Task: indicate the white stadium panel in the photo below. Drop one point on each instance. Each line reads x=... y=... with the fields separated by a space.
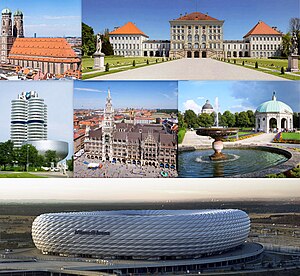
x=141 y=233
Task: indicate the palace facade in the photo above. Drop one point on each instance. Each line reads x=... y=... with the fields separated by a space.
x=130 y=143
x=197 y=35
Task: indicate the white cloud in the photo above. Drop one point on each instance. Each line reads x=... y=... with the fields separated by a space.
x=90 y=90
x=200 y=98
x=191 y=104
x=61 y=17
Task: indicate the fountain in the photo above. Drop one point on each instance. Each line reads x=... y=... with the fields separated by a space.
x=217 y=133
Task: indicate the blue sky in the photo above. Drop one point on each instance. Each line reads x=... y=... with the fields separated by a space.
x=132 y=94
x=58 y=96
x=152 y=16
x=53 y=18
x=236 y=96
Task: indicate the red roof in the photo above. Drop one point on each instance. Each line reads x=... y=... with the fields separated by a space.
x=261 y=28
x=129 y=29
x=43 y=49
x=196 y=16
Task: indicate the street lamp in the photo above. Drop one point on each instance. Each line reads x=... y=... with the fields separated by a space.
x=27 y=164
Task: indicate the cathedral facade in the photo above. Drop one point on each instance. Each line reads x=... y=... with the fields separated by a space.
x=47 y=55
x=129 y=143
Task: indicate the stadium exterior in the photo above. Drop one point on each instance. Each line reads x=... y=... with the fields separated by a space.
x=143 y=234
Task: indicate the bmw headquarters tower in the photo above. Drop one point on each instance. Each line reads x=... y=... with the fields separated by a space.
x=143 y=234
x=28 y=118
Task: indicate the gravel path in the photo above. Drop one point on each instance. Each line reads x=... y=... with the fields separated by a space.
x=191 y=69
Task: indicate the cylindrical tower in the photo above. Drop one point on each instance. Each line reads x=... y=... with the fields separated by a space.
x=18 y=30
x=18 y=130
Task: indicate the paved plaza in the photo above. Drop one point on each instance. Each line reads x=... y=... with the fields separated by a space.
x=111 y=170
x=191 y=69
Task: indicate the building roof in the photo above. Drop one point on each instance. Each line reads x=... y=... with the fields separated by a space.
x=196 y=16
x=18 y=12
x=6 y=11
x=128 y=29
x=207 y=105
x=43 y=49
x=261 y=28
x=274 y=106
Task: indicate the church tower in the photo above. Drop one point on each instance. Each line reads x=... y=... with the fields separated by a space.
x=107 y=130
x=18 y=30
x=6 y=35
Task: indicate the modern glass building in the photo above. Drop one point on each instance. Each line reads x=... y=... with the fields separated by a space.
x=28 y=118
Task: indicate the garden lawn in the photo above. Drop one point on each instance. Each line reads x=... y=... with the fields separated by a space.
x=19 y=175
x=116 y=61
x=290 y=136
x=181 y=134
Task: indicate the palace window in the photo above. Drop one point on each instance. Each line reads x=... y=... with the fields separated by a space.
x=189 y=37
x=196 y=37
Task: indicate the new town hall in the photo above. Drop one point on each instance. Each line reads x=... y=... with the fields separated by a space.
x=49 y=55
x=139 y=144
x=197 y=35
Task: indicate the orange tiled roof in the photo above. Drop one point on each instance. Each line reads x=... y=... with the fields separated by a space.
x=261 y=28
x=43 y=49
x=196 y=16
x=129 y=29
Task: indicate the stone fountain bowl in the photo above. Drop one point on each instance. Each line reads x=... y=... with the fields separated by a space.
x=216 y=132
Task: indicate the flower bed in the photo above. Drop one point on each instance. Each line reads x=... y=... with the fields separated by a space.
x=242 y=137
x=279 y=139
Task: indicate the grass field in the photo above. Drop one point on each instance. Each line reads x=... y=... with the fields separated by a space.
x=19 y=175
x=290 y=136
x=265 y=64
x=181 y=134
x=117 y=61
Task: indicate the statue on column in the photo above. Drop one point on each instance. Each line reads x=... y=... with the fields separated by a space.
x=294 y=40
x=98 y=43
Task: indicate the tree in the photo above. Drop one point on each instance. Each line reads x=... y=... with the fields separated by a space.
x=51 y=157
x=70 y=164
x=6 y=153
x=27 y=154
x=251 y=117
x=205 y=120
x=243 y=119
x=190 y=118
x=88 y=40
x=286 y=44
x=296 y=120
x=228 y=118
x=181 y=123
x=107 y=48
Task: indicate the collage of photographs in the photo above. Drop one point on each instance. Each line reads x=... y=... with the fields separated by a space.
x=149 y=137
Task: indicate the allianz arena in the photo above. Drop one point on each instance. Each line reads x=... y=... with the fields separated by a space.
x=141 y=233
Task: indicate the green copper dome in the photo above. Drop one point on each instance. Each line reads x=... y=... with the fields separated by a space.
x=274 y=106
x=6 y=11
x=18 y=12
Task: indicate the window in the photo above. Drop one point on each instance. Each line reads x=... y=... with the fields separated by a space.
x=189 y=37
x=196 y=37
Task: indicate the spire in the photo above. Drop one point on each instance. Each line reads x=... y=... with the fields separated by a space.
x=274 y=97
x=108 y=91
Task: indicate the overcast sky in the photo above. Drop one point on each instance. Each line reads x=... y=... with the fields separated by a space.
x=120 y=190
x=58 y=96
x=132 y=94
x=153 y=16
x=54 y=18
x=236 y=96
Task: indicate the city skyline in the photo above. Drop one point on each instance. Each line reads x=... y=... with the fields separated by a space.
x=60 y=113
x=49 y=18
x=131 y=94
x=236 y=96
x=154 y=21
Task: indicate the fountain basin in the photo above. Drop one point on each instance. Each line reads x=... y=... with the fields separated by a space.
x=217 y=133
x=254 y=161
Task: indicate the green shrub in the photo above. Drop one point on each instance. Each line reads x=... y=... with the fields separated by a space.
x=147 y=61
x=106 y=67
x=156 y=60
x=234 y=61
x=243 y=63
x=133 y=63
x=256 y=64
x=282 y=70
